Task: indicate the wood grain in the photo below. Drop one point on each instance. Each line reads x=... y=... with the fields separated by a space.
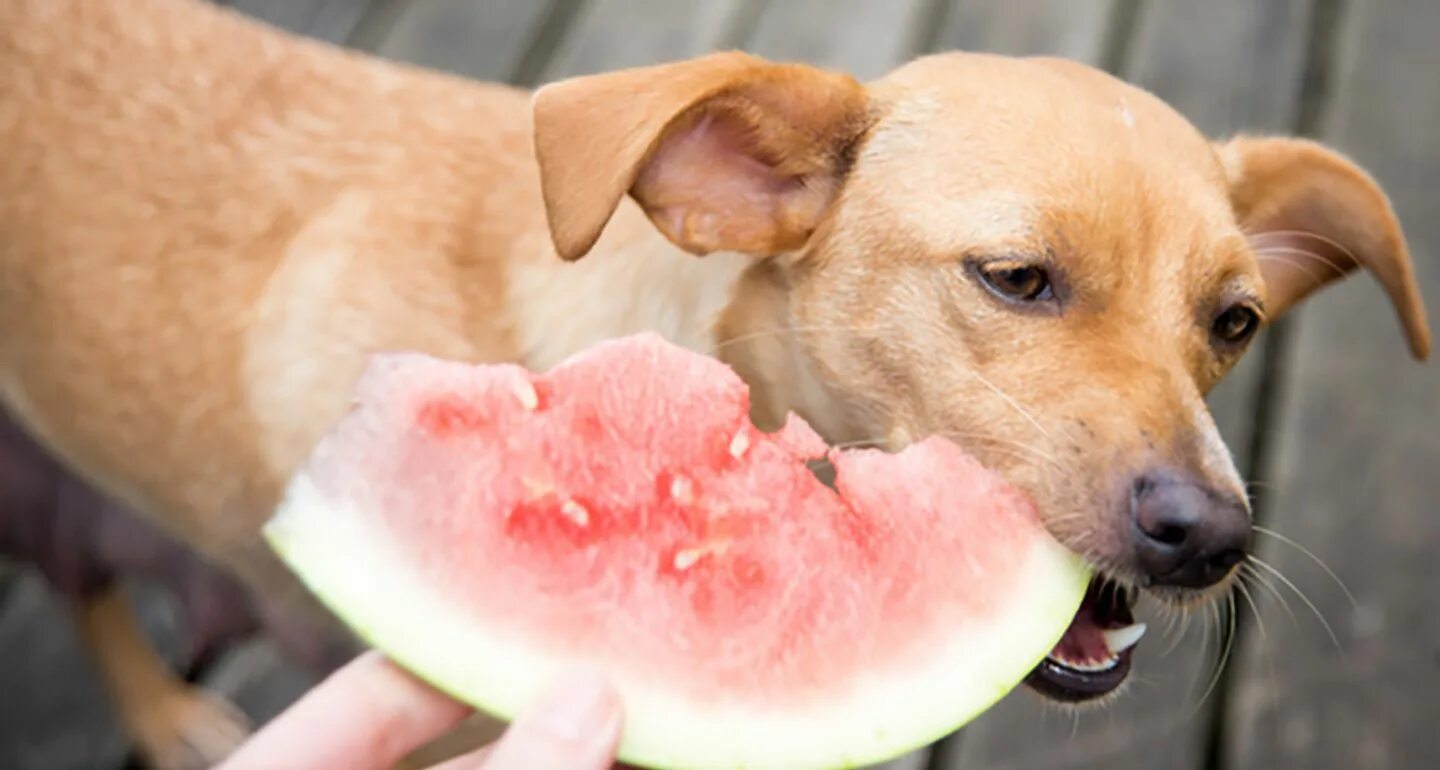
x=485 y=40
x=332 y=20
x=1357 y=458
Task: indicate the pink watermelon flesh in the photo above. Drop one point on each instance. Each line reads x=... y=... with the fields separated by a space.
x=623 y=510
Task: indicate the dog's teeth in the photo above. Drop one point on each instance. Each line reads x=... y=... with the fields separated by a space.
x=1118 y=640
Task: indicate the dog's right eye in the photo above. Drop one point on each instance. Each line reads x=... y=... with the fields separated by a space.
x=1235 y=324
x=1016 y=281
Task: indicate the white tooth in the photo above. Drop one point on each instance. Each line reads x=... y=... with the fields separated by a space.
x=1119 y=640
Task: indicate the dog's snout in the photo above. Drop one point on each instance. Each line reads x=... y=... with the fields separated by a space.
x=1185 y=534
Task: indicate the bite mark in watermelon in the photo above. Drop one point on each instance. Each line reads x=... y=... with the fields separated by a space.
x=488 y=527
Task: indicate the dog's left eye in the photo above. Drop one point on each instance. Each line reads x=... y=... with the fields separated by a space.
x=1235 y=324
x=1016 y=281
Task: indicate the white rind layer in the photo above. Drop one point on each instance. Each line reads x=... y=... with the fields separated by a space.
x=359 y=573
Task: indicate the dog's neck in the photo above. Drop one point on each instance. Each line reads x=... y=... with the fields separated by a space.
x=725 y=305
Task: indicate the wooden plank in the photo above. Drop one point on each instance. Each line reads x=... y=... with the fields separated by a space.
x=1074 y=29
x=1250 y=81
x=862 y=37
x=9 y=574
x=1356 y=477
x=55 y=713
x=615 y=34
x=332 y=20
x=481 y=40
x=258 y=679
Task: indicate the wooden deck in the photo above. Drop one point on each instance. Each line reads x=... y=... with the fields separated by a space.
x=1328 y=414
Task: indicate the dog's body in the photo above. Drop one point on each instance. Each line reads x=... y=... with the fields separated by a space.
x=207 y=226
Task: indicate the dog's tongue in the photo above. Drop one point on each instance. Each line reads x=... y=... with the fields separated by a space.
x=1103 y=629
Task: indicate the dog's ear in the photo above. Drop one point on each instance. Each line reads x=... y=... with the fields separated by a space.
x=1314 y=216
x=724 y=152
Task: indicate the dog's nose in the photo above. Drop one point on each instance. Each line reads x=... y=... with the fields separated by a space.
x=1186 y=535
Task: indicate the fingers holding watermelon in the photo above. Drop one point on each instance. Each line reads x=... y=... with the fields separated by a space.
x=575 y=726
x=371 y=713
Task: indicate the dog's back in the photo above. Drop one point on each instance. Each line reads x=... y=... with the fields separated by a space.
x=205 y=226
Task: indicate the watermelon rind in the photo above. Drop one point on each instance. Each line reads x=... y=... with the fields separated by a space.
x=359 y=571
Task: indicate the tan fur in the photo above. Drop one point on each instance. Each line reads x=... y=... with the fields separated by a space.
x=206 y=226
x=179 y=725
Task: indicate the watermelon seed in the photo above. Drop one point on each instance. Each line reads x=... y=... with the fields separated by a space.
x=686 y=559
x=740 y=444
x=575 y=512
x=525 y=392
x=536 y=489
x=682 y=490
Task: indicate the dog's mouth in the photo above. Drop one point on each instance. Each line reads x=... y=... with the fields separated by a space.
x=1092 y=659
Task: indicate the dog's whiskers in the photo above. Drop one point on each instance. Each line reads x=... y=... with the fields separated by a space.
x=1229 y=645
x=1254 y=608
x=961 y=437
x=1008 y=399
x=1311 y=555
x=1184 y=616
x=780 y=331
x=1257 y=561
x=1262 y=580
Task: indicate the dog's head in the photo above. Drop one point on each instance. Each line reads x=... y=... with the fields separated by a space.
x=1031 y=257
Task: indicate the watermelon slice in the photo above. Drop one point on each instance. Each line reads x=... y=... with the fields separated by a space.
x=488 y=527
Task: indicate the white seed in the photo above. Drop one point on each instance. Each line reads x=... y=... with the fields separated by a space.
x=1118 y=640
x=525 y=392
x=686 y=559
x=575 y=512
x=740 y=444
x=682 y=490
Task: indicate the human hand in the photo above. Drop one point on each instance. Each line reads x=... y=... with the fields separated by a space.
x=370 y=714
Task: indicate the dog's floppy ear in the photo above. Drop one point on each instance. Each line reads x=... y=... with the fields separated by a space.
x=723 y=152
x=1314 y=216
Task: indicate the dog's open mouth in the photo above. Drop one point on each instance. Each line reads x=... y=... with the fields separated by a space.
x=1093 y=658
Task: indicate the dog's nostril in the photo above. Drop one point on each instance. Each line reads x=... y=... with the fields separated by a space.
x=1184 y=534
x=1169 y=534
x=1227 y=558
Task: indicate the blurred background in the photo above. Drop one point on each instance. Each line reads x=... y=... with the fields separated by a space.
x=1328 y=414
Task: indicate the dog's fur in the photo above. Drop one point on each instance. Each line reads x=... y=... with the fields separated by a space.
x=207 y=225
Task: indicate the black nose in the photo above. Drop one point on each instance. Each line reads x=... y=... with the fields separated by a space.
x=1185 y=534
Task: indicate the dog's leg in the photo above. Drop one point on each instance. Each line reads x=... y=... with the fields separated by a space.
x=176 y=726
x=81 y=543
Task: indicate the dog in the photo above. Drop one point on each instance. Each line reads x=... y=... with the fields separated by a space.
x=207 y=226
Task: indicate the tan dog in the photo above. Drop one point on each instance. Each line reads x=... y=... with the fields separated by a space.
x=206 y=226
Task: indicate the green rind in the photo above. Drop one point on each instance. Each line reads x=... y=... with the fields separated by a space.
x=325 y=545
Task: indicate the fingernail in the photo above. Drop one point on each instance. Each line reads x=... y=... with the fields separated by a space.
x=579 y=705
